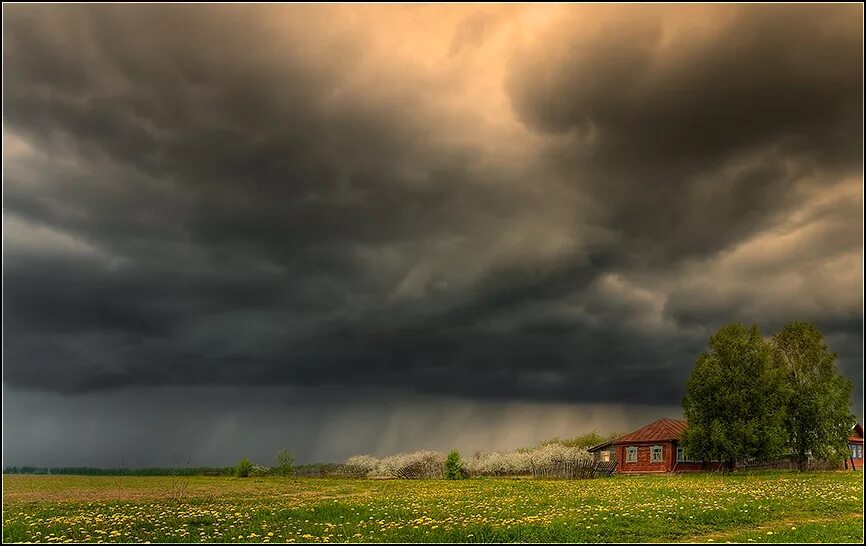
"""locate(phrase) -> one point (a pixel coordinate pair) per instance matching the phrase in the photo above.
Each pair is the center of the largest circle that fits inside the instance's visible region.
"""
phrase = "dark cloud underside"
(553, 203)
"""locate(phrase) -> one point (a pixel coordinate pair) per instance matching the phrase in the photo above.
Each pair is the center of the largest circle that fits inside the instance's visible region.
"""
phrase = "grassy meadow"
(759, 507)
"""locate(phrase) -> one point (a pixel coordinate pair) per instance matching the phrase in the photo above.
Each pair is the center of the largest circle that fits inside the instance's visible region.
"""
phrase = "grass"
(760, 507)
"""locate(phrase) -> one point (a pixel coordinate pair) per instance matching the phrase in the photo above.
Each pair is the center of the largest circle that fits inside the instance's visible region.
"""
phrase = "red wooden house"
(855, 444)
(655, 448)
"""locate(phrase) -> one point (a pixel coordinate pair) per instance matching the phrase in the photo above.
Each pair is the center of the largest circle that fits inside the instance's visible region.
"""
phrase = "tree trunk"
(802, 461)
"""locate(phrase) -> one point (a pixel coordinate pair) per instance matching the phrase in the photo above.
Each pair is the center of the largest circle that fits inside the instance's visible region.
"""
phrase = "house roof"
(657, 431)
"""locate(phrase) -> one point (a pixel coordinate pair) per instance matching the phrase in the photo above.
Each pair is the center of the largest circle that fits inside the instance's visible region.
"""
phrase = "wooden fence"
(575, 469)
(788, 464)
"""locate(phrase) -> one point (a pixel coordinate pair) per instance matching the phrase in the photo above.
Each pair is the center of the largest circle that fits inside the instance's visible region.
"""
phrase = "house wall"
(694, 467)
(643, 464)
(668, 464)
(856, 461)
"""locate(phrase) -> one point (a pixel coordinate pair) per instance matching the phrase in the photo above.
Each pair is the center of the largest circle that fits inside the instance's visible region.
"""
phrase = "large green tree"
(818, 417)
(734, 401)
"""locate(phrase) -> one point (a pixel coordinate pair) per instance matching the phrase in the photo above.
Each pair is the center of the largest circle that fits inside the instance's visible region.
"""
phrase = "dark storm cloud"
(691, 126)
(279, 195)
(246, 138)
(692, 84)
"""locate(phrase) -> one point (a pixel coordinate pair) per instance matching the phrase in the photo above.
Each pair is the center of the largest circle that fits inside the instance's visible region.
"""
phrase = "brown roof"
(657, 431)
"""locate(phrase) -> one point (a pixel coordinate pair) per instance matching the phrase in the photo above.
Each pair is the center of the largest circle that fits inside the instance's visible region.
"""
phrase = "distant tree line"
(523, 461)
(319, 470)
(98, 471)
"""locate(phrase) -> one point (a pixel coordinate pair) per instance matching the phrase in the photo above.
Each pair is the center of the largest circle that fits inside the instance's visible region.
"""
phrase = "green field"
(761, 507)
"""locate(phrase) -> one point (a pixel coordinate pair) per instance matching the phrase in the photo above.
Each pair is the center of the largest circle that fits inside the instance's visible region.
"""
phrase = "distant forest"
(306, 470)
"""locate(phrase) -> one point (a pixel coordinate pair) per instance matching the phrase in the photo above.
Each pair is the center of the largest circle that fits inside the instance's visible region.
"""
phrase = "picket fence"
(574, 469)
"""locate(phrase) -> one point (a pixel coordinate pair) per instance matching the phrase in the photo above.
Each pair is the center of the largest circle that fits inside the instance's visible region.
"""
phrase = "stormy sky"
(229, 229)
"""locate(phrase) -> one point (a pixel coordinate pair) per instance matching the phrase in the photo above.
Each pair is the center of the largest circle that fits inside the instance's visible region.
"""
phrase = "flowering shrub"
(259, 470)
(558, 460)
(495, 463)
(361, 466)
(419, 464)
(549, 460)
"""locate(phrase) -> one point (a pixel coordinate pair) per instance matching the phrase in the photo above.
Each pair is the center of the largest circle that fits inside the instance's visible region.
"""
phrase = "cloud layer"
(553, 203)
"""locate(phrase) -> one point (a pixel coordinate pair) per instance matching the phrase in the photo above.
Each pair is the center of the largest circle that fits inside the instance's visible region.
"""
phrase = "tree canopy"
(734, 400)
(751, 397)
(817, 416)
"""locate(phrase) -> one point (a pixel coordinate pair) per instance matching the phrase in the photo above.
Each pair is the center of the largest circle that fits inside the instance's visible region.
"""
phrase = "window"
(605, 456)
(656, 454)
(631, 454)
(856, 451)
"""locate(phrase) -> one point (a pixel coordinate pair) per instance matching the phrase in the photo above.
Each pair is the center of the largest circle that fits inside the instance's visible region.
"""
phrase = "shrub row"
(551, 459)
(415, 465)
(548, 460)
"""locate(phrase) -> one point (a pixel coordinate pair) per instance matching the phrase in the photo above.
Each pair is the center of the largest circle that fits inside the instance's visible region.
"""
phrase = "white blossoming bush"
(361, 466)
(260, 470)
(511, 463)
(416, 465)
(495, 463)
(549, 460)
(419, 464)
(556, 460)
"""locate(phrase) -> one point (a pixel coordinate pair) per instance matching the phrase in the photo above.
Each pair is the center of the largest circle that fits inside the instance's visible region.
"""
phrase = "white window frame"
(661, 454)
(631, 454)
